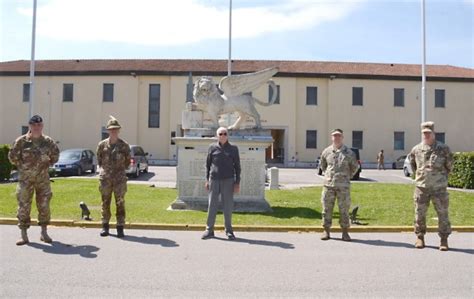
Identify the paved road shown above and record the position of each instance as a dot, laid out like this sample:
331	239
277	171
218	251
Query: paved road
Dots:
165	176
178	264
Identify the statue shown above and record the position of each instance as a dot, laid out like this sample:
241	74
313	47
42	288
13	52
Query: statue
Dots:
235	97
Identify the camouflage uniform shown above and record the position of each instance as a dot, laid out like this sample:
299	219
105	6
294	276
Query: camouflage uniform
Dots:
114	159
431	165
339	165
32	157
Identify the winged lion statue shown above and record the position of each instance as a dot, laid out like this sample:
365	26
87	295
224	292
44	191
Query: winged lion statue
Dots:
236	96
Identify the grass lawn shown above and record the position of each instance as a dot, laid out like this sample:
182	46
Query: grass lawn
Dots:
380	204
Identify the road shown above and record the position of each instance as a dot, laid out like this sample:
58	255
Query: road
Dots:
165	176
147	263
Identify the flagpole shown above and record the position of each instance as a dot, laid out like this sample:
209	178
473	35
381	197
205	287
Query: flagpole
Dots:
423	64
229	61
32	64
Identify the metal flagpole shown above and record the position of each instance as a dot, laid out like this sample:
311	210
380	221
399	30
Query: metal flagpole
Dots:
32	64
423	64
229	62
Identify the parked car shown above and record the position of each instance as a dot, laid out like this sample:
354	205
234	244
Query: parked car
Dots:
138	161
355	177
76	161
398	163
407	167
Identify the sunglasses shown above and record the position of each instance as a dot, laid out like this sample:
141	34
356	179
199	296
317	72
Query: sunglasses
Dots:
224	133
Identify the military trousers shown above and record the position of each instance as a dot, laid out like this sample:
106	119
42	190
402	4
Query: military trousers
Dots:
117	186
328	199
440	198
223	189
24	194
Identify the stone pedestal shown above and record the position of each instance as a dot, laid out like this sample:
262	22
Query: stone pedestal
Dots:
191	169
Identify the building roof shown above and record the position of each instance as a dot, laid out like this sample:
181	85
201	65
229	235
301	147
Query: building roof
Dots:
219	67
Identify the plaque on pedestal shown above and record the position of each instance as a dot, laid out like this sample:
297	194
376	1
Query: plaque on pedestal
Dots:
191	172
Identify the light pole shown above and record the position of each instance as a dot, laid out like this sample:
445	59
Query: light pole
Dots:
32	64
423	63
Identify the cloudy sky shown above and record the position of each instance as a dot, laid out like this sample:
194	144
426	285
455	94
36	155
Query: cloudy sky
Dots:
327	30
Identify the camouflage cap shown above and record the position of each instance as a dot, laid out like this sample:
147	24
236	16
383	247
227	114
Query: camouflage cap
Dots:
113	123
427	126
337	132
35	119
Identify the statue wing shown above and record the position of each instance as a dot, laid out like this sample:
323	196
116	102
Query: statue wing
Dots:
235	85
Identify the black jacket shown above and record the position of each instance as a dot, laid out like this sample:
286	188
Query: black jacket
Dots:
223	162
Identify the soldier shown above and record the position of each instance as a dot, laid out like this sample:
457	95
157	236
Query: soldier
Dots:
431	162
113	156
380	160
222	179
339	165
32	154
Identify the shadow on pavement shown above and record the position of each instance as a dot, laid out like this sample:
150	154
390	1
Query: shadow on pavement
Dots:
290	212
87	251
143	177
282	245
364	179
382	243
151	241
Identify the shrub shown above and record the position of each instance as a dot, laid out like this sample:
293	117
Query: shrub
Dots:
5	165
462	175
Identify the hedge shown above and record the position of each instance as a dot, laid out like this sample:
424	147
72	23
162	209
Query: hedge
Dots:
462	175
5	165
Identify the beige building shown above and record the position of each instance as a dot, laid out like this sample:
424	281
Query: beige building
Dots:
377	105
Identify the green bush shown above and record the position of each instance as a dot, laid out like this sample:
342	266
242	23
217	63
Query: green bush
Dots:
5	165
462	175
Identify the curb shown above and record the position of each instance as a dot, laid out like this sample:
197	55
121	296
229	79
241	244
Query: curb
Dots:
242	228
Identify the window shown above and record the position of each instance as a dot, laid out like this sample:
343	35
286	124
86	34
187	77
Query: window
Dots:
104	134
357	96
248	93
68	91
26	92
399	97
357	139
108	92
189	92
154	106
440	137
270	94
24	130
311	139
440	98
311	95
399	140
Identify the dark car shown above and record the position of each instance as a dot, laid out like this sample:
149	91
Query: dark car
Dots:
355	177
398	163
76	161
138	161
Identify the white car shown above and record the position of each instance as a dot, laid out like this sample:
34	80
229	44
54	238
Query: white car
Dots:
407	166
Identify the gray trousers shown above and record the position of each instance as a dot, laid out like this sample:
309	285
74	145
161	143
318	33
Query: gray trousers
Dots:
224	188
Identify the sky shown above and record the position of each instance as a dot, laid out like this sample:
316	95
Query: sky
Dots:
383	31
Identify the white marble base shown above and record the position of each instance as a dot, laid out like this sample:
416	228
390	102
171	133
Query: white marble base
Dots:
191	173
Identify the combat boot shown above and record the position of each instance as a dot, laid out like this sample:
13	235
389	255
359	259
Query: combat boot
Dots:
44	235
443	246
120	233
24	238
420	242
325	234
105	230
345	235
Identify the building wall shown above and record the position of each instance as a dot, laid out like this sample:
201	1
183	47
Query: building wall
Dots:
79	123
